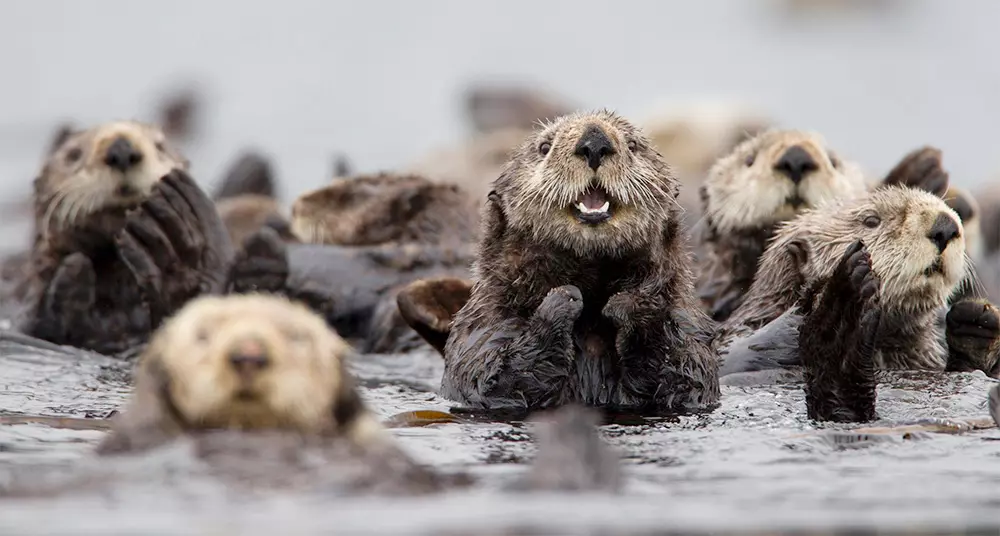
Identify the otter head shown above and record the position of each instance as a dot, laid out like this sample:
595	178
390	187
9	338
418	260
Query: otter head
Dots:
772	177
590	182
110	167
916	243
246	362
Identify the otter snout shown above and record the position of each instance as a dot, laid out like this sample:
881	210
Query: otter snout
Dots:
248	356
593	146
122	155
796	163
944	230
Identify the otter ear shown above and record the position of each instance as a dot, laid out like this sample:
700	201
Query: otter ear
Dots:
62	133
149	420
342	167
250	174
429	305
921	169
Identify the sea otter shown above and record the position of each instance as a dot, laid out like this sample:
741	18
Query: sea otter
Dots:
582	291
376	209
860	285
353	288
123	237
763	182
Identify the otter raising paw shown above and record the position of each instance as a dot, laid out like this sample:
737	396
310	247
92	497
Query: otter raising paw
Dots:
973	334
261	265
175	245
837	340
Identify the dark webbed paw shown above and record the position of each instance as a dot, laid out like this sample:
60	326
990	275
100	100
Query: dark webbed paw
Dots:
261	265
837	340
972	330
920	169
561	304
175	245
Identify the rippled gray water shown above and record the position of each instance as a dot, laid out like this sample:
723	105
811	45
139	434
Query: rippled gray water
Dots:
753	464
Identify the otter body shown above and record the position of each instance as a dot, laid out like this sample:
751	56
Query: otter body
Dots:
377	209
582	290
122	237
764	181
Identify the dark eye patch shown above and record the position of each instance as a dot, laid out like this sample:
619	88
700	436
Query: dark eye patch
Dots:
74	154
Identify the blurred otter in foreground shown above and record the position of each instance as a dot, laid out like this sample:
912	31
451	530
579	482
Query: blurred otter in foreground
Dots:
259	385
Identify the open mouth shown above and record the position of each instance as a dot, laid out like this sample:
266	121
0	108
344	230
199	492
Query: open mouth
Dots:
593	207
937	267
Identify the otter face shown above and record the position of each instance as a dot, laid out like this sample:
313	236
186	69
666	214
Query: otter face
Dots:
773	177
113	165
916	242
250	362
590	181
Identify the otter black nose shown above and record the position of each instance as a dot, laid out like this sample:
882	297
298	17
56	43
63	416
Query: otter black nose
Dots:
944	230
593	146
248	356
122	155
796	163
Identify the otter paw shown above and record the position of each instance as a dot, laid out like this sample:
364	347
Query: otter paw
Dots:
72	286
261	265
561	303
972	330
620	309
920	169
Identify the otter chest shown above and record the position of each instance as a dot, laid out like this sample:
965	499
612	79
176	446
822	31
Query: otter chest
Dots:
596	360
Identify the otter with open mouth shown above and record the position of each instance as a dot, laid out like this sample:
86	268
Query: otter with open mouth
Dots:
583	290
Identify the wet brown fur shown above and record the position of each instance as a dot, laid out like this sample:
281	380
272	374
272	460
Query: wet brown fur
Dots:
525	341
378	209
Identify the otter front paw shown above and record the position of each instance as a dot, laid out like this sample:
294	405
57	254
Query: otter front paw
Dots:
972	329
837	341
261	265
920	169
561	304
67	304
175	245
620	309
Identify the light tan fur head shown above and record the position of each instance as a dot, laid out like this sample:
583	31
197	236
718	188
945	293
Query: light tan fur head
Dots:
916	243
590	182
376	209
774	176
244	362
112	166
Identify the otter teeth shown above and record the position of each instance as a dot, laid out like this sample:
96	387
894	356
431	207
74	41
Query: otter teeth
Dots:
586	210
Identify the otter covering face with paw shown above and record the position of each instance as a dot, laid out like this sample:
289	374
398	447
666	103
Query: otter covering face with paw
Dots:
583	292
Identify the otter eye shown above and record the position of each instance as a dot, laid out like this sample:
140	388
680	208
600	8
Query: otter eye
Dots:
834	161
872	221
160	147
750	160
545	147
632	145
73	154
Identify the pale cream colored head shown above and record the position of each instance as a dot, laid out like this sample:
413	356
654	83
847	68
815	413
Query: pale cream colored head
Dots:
591	182
916	243
113	165
774	176
250	362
